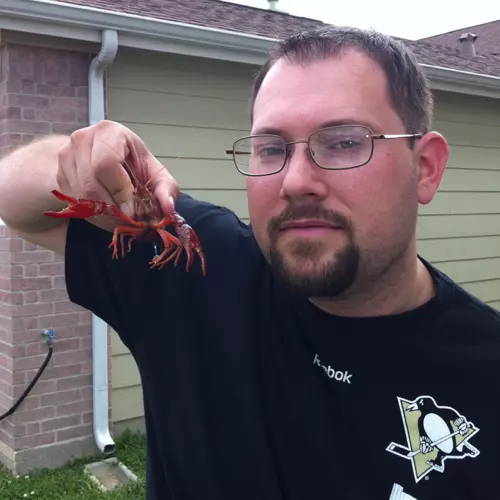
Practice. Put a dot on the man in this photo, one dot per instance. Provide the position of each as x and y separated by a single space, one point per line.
319 357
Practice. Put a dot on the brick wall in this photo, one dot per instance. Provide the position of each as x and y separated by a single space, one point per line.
42 91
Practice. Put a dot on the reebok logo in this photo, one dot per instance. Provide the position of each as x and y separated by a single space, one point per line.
340 376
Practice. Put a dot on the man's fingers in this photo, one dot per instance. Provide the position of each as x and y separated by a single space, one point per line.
108 170
163 185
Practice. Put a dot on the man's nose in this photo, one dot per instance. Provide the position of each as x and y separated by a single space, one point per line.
302 177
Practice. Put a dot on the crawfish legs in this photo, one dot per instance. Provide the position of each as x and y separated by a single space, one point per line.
82 208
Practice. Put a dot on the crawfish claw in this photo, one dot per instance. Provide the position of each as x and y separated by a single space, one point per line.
78 208
190 242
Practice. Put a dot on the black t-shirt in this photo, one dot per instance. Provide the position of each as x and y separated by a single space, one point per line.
252 394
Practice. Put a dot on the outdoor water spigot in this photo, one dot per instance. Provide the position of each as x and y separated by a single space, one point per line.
50 334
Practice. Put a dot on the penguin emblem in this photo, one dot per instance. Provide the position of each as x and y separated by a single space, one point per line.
434 434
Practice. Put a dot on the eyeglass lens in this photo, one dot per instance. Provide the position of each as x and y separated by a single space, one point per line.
337 147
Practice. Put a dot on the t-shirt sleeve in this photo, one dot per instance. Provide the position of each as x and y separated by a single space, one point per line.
125 291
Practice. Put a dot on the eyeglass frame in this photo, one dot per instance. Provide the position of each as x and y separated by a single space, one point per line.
373 137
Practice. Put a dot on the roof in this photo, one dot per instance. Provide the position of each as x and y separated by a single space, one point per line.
488 41
449 57
275 24
212 14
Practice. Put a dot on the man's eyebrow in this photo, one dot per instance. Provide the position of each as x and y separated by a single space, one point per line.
329 123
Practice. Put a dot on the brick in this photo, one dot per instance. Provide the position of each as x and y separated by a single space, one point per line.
33 349
74 432
28 114
33 428
27 138
59 282
66 306
82 92
30 270
68 103
5 401
71 357
32 256
29 127
5 283
55 90
52 269
28 246
19 430
26 363
87 418
24 416
67 344
6 438
56 115
18 378
30 297
31 402
62 371
74 382
30 323
6 374
31 284
60 397
53 295
6 389
74 408
13 112
82 117
40 388
34 309
28 87
53 321
61 422
6 362
28 101
6 322
35 440
6 310
65 128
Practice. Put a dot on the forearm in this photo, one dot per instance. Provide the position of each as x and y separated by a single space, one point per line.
27 176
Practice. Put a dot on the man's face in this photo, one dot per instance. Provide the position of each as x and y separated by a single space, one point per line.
356 222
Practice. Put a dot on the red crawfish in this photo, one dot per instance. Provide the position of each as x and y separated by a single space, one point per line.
147 223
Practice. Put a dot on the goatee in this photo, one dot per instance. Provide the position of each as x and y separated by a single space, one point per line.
327 279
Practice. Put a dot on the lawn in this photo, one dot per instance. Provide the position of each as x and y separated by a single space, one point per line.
70 482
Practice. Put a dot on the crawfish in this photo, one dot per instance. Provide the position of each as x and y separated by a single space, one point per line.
147 223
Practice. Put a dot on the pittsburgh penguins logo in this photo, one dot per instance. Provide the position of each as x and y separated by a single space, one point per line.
434 434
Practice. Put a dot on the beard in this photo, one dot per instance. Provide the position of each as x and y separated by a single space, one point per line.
305 268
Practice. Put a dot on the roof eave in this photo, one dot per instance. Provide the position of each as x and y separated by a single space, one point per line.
46 17
463 82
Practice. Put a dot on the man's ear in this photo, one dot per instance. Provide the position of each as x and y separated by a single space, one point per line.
431 155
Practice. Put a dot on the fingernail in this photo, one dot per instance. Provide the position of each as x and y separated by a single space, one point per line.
172 201
126 208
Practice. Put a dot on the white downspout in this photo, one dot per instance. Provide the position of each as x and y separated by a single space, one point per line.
102 436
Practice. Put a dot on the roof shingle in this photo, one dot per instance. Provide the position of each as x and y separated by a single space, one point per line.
488 41
275 24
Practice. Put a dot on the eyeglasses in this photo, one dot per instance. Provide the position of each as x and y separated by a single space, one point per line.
340 147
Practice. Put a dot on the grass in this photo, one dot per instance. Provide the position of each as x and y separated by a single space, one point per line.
70 481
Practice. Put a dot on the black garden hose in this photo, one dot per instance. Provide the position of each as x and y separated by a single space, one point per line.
50 334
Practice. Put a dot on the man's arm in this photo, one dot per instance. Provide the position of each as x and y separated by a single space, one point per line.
27 177
87 164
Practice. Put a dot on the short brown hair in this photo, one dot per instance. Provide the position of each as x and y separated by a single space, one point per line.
408 86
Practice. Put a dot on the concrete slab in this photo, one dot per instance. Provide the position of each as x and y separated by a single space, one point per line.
109 474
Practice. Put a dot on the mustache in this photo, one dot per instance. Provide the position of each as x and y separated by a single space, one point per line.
311 211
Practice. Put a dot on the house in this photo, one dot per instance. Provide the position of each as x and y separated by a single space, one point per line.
179 74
